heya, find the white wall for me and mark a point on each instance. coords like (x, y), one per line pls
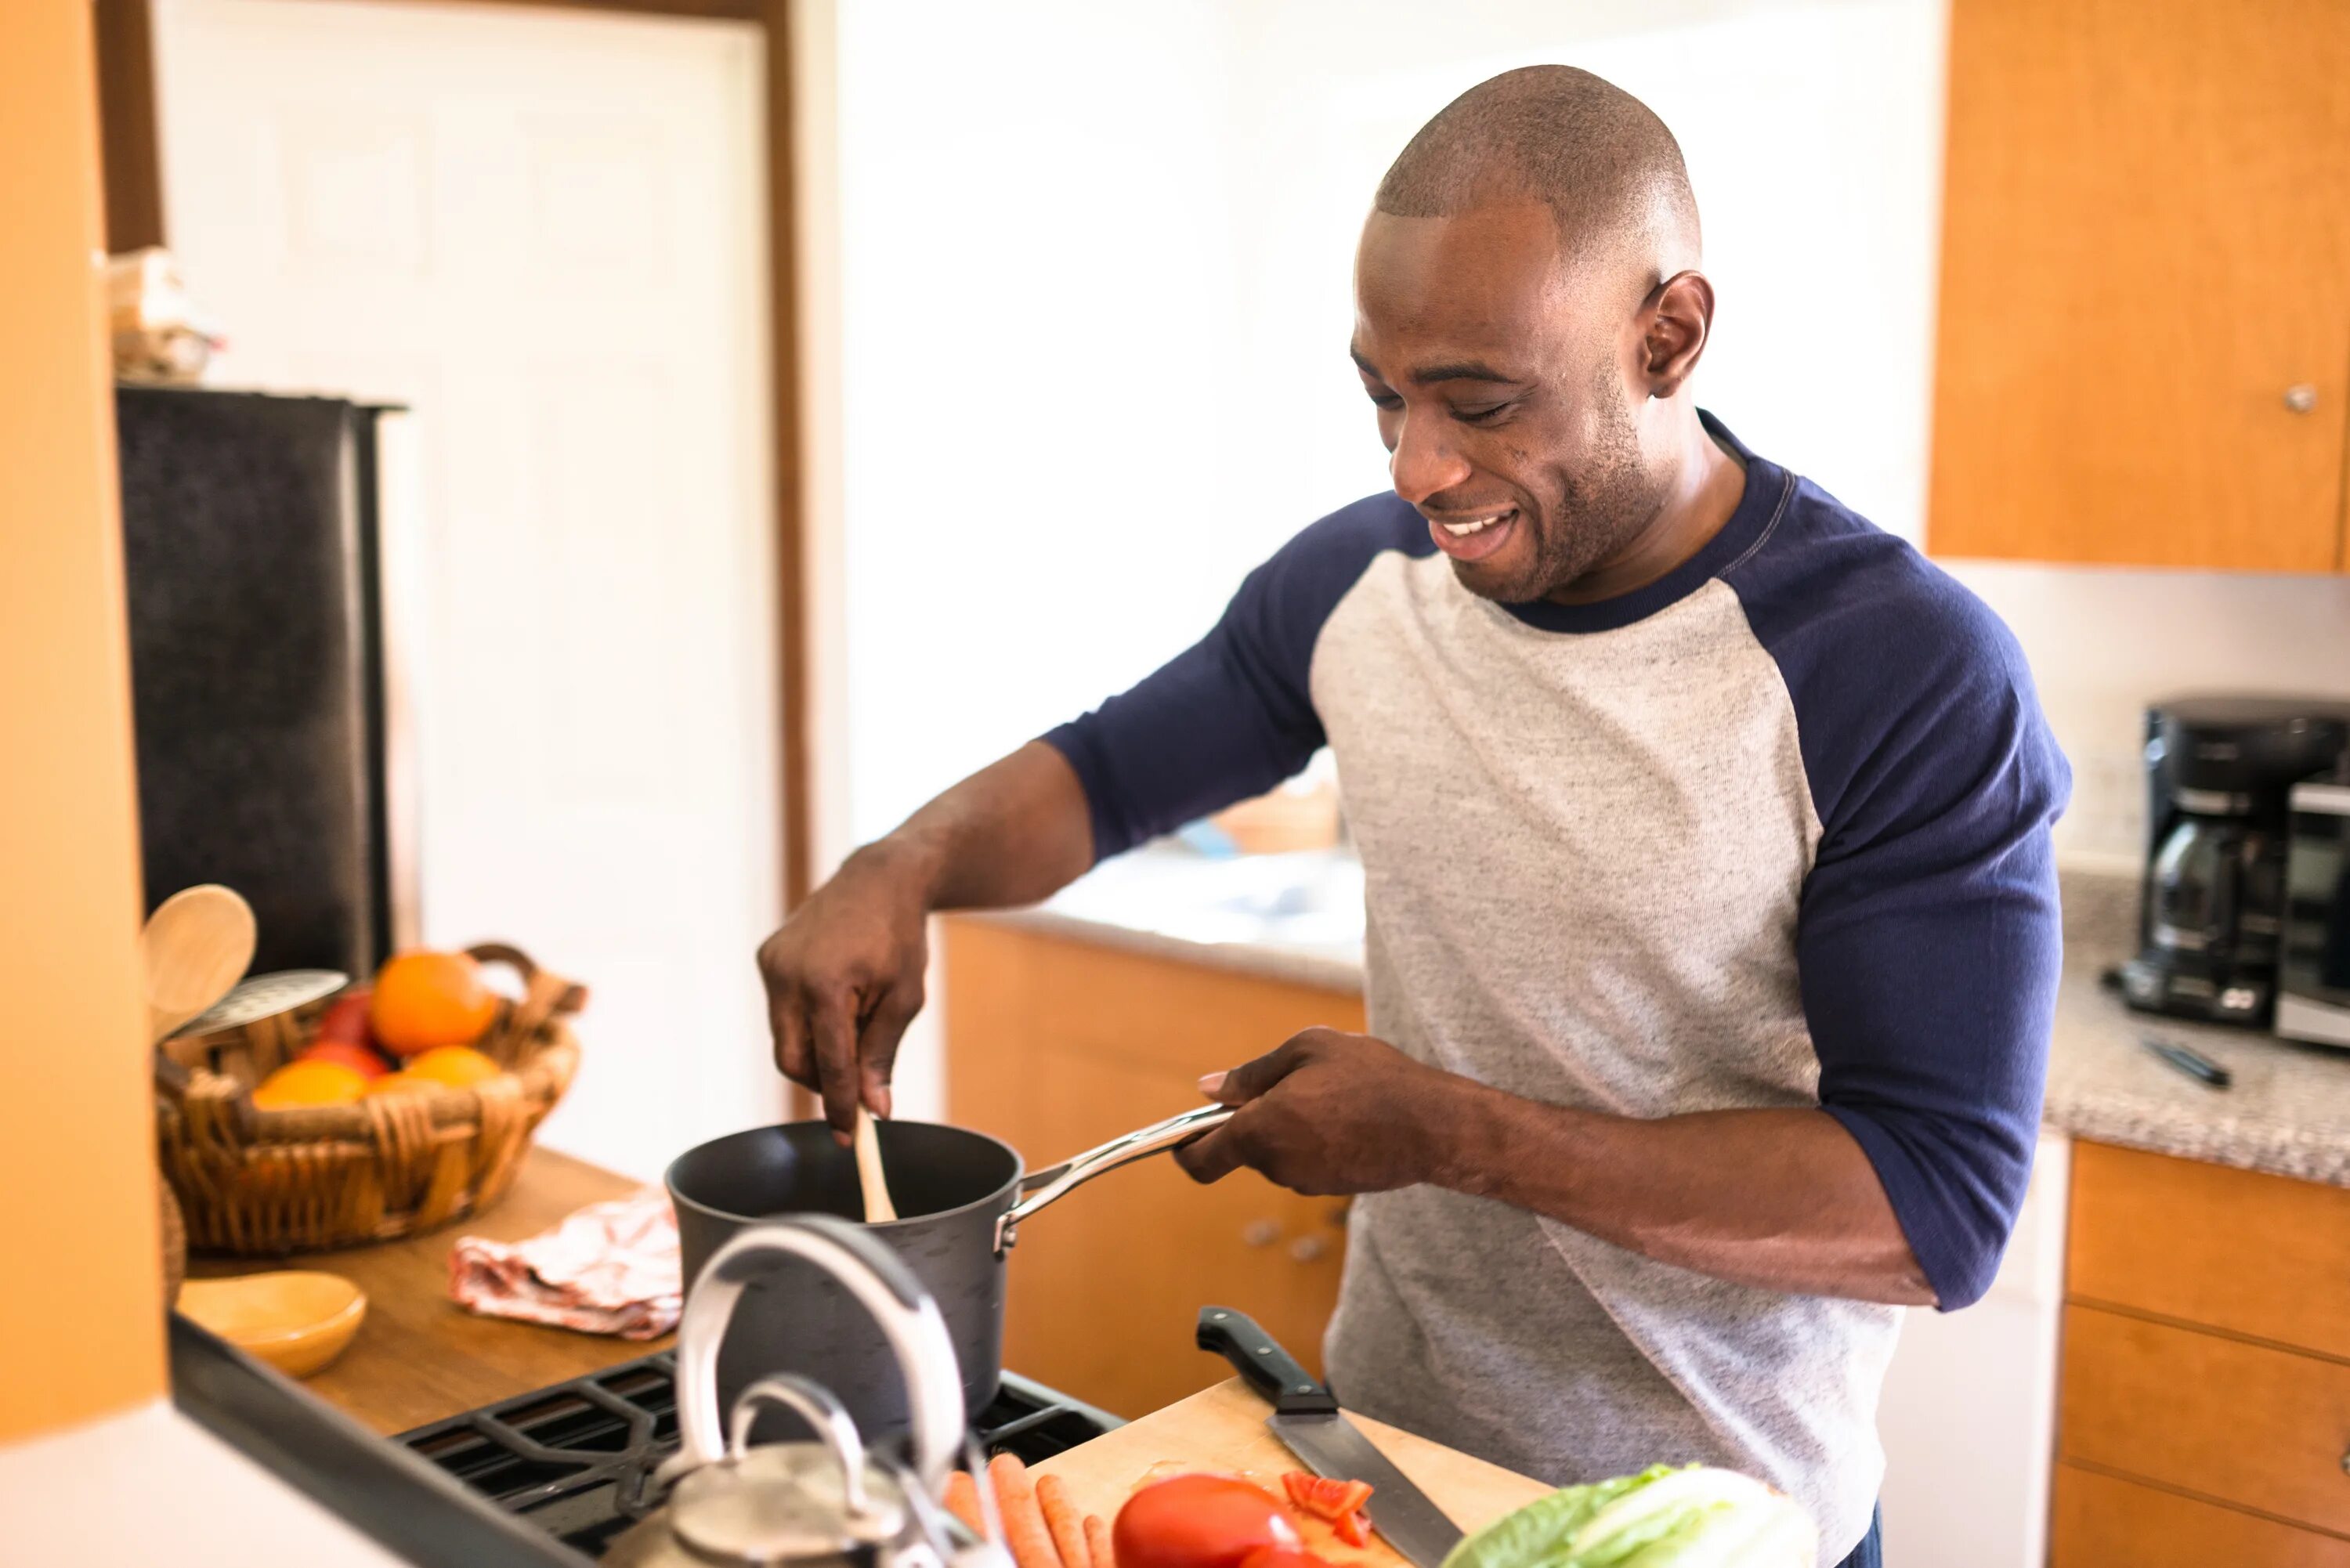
(1036, 273)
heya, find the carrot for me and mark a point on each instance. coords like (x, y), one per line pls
(1061, 1517)
(1024, 1522)
(1097, 1546)
(963, 1502)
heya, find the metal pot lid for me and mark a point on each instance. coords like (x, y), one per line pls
(780, 1503)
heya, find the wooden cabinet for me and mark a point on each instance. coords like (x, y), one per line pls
(1054, 1044)
(2204, 1411)
(2109, 1521)
(2144, 347)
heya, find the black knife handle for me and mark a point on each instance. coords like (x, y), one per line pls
(1260, 1360)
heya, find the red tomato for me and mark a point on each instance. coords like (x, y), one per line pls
(1353, 1528)
(1326, 1497)
(1199, 1522)
(1282, 1557)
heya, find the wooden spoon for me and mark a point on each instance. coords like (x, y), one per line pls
(879, 1210)
(196, 947)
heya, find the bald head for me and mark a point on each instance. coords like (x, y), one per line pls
(1598, 158)
(1528, 312)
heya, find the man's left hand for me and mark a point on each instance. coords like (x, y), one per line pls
(1327, 1113)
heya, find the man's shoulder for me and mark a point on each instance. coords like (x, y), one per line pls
(1839, 602)
(1306, 578)
(1355, 533)
(1905, 685)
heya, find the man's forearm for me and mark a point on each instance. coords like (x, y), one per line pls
(1780, 1199)
(1016, 831)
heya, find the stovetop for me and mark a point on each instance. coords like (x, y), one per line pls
(575, 1459)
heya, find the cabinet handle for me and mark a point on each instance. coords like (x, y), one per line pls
(2301, 397)
(1260, 1233)
(1306, 1249)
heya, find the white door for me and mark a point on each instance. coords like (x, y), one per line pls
(545, 231)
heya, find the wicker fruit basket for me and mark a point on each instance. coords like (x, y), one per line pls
(267, 1182)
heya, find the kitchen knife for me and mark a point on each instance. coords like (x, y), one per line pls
(1306, 1417)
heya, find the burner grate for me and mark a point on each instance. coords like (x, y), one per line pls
(576, 1458)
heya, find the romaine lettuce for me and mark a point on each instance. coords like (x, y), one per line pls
(1692, 1517)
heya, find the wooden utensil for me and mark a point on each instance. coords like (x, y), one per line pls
(870, 1179)
(296, 1320)
(195, 946)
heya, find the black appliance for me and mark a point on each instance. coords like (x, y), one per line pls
(2313, 970)
(574, 1459)
(269, 757)
(2220, 771)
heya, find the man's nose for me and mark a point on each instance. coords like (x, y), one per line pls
(1421, 463)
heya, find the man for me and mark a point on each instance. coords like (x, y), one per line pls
(1711, 932)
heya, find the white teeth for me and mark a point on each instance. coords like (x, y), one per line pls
(1462, 530)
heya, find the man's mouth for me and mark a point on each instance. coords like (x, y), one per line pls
(1472, 535)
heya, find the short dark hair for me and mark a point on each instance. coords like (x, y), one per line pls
(1599, 157)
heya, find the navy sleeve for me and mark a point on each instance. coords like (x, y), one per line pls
(1929, 942)
(1230, 716)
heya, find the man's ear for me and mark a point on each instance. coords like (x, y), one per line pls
(1676, 319)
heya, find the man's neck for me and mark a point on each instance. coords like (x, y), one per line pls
(1708, 480)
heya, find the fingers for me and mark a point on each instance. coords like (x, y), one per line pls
(1212, 1156)
(787, 1021)
(1249, 1079)
(833, 1022)
(877, 1041)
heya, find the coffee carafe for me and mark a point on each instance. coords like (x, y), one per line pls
(2218, 772)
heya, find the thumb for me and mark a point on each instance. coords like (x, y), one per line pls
(1251, 1078)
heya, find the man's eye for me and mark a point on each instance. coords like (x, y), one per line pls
(1384, 399)
(1480, 416)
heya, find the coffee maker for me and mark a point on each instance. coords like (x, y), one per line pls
(2219, 774)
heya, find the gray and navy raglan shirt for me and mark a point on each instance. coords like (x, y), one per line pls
(1771, 831)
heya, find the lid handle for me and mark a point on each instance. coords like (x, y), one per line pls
(825, 1417)
(879, 1282)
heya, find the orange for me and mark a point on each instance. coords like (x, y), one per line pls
(400, 1083)
(458, 1067)
(424, 1000)
(309, 1084)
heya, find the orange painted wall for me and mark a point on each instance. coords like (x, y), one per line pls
(80, 1284)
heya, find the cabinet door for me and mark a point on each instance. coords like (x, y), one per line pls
(1057, 1046)
(2102, 1521)
(2144, 353)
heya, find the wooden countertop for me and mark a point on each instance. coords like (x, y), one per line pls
(1222, 1428)
(418, 1355)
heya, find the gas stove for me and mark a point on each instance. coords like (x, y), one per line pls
(576, 1459)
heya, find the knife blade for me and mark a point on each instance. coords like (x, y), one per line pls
(1307, 1420)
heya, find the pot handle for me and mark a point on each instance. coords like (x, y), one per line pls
(882, 1285)
(1052, 1183)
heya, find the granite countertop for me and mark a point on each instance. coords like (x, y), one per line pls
(2286, 1112)
(1299, 918)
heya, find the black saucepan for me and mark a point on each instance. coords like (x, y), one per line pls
(960, 1197)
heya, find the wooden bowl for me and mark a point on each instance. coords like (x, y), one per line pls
(296, 1320)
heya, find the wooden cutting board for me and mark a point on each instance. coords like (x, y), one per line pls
(1222, 1428)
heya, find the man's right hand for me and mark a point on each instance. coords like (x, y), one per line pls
(845, 973)
(844, 977)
